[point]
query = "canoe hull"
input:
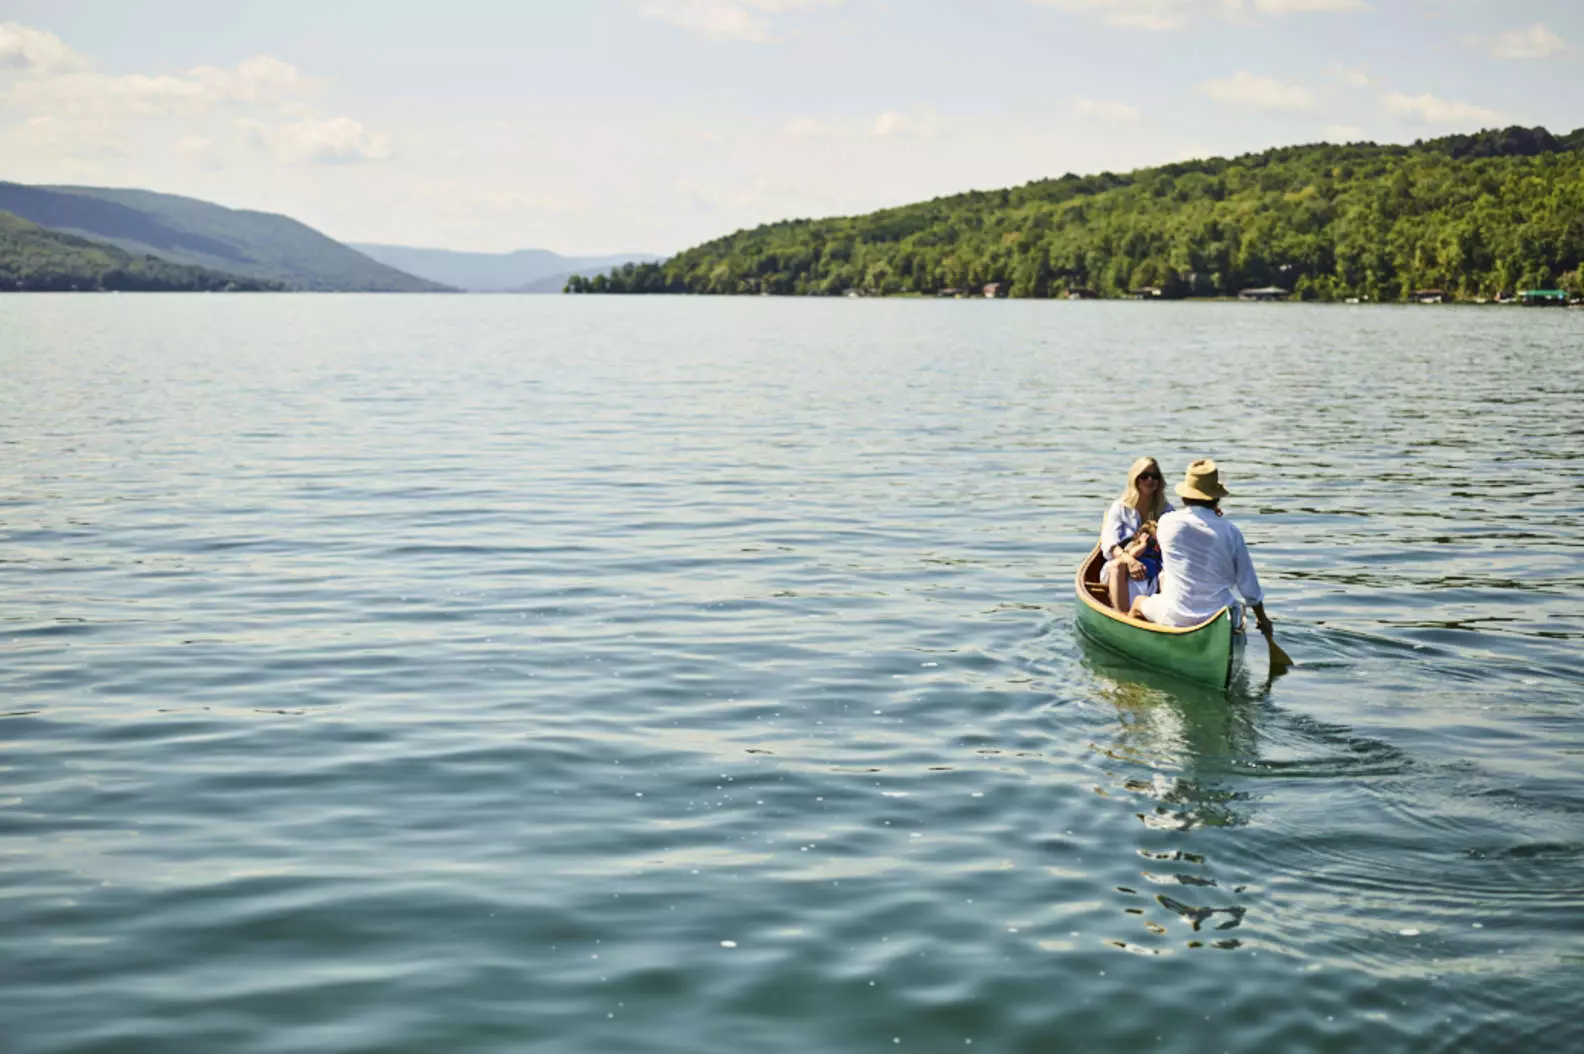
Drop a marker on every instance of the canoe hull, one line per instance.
(1204, 653)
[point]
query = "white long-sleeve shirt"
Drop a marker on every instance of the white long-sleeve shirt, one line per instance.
(1122, 522)
(1205, 559)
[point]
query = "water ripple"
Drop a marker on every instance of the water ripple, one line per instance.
(475, 674)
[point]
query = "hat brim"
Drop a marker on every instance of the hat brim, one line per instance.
(1188, 490)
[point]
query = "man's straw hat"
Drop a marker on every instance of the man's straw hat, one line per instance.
(1203, 482)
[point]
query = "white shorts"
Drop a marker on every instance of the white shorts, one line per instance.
(1137, 587)
(1153, 607)
(1157, 610)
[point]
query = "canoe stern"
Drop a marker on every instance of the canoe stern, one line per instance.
(1201, 653)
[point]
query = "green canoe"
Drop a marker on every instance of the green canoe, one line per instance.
(1202, 653)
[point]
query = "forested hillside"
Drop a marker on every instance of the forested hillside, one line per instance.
(184, 230)
(33, 259)
(1471, 214)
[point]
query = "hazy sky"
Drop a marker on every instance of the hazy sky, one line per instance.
(591, 126)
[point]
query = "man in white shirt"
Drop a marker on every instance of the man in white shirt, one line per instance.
(1205, 559)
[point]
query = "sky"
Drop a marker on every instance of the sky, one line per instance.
(607, 126)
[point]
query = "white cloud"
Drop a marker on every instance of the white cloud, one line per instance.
(47, 134)
(328, 141)
(922, 122)
(1531, 42)
(890, 123)
(63, 107)
(84, 92)
(1265, 94)
(1163, 15)
(1288, 7)
(1352, 77)
(258, 79)
(748, 20)
(1427, 109)
(69, 115)
(1155, 15)
(36, 51)
(201, 151)
(1105, 111)
(807, 128)
(811, 128)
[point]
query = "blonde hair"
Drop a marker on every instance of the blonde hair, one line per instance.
(1131, 496)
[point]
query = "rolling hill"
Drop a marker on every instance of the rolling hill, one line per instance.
(33, 259)
(257, 245)
(523, 271)
(557, 283)
(1473, 215)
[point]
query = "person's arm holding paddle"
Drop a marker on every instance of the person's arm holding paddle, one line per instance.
(1246, 581)
(1248, 585)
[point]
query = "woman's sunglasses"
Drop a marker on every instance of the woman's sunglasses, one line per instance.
(1156, 476)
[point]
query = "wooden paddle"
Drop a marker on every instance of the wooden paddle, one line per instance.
(1280, 661)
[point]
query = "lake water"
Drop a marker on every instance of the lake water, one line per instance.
(420, 674)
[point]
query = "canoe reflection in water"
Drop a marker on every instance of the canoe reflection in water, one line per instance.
(1203, 735)
(1174, 758)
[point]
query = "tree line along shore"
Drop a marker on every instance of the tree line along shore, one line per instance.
(1485, 216)
(36, 260)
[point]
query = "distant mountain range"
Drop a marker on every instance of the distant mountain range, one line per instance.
(523, 271)
(239, 249)
(239, 243)
(33, 259)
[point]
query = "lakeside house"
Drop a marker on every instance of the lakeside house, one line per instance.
(992, 290)
(1429, 296)
(1269, 292)
(1149, 292)
(1082, 294)
(1542, 297)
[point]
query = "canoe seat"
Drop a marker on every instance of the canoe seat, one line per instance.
(1099, 592)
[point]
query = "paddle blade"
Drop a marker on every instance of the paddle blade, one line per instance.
(1280, 661)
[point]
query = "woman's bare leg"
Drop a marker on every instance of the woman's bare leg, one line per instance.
(1119, 587)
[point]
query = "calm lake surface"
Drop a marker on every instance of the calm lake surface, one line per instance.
(455, 674)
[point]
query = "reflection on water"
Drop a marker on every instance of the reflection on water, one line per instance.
(1169, 720)
(688, 674)
(1174, 754)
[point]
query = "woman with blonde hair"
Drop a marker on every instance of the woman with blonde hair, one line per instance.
(1127, 538)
